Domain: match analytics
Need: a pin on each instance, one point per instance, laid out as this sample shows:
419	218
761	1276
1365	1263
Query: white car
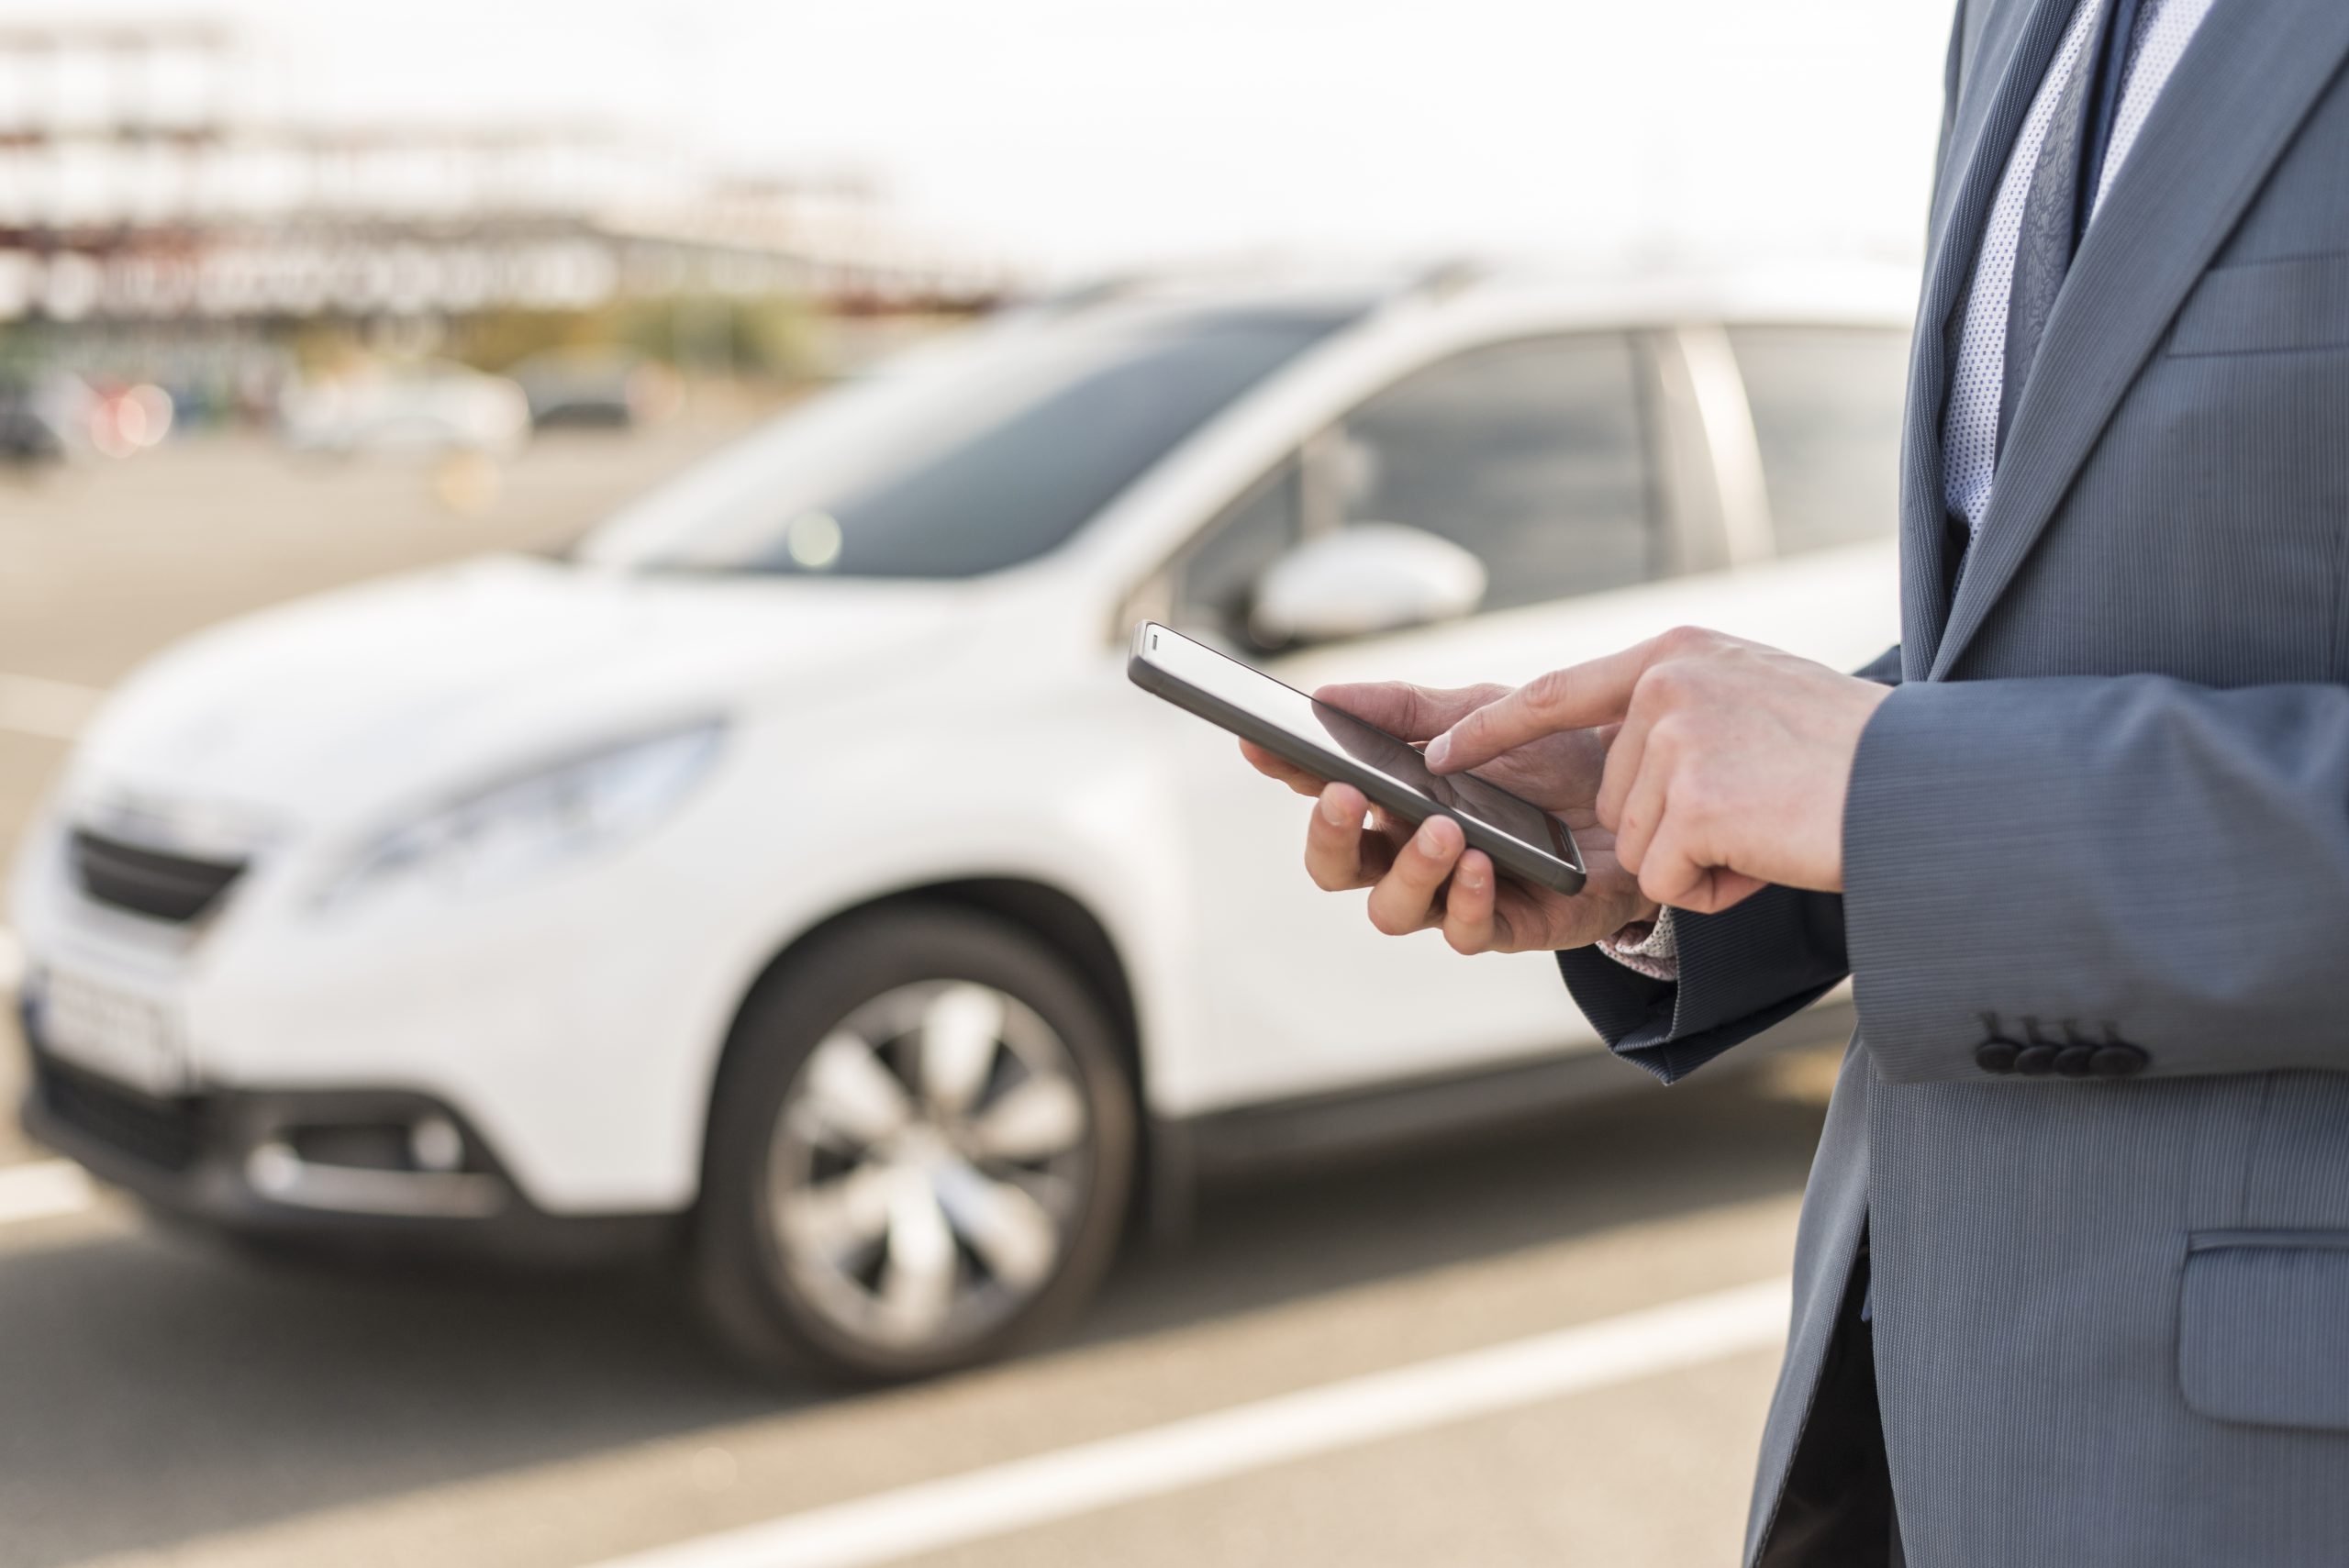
792	869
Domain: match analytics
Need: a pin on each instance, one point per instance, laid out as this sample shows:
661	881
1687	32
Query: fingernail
1438	748
1426	839
1472	879
1332	813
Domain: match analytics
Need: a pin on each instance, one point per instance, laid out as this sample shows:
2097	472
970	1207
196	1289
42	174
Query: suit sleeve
2104	863
1739	971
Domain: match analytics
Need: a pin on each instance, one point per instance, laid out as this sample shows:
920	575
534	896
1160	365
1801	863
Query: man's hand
1431	878
1729	769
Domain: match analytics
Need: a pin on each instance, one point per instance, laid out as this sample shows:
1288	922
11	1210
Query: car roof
1857	295
1853	294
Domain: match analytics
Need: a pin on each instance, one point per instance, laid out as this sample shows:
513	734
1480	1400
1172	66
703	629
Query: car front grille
149	881
159	1132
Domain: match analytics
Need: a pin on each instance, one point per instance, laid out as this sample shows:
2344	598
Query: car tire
876	1178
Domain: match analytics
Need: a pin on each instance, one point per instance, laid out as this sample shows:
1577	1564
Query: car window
1531	455
1215	579
1827	415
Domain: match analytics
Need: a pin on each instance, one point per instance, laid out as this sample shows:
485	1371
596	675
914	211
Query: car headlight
523	825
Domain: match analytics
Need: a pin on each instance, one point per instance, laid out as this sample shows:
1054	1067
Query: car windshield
965	457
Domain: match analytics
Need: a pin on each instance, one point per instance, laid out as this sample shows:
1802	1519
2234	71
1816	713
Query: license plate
120	1033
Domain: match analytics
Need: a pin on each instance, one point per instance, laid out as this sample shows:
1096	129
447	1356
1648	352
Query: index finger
1405	711
1581	696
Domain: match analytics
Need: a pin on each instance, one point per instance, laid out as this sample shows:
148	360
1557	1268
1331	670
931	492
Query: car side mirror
1363	579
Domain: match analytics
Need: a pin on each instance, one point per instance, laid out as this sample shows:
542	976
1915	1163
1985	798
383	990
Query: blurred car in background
430	409
27	439
596	388
48	419
790	870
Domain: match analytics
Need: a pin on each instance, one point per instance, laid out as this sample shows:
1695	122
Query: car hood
329	707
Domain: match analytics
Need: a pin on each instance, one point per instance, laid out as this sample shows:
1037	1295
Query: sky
1070	136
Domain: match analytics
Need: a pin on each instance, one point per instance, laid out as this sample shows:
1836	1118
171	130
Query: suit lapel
2246	82
2011	56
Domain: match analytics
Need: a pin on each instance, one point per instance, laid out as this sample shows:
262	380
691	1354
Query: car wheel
921	1144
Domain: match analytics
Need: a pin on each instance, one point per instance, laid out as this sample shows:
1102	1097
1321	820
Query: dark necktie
2063	191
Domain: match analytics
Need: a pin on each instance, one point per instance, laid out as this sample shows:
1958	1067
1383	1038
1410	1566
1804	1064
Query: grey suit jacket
2107	802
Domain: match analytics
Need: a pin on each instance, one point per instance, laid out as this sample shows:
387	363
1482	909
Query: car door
1532	454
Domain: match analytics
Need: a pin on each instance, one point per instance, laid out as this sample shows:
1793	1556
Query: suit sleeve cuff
1738	972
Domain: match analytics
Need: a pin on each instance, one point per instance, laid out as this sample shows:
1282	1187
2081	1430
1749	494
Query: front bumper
573	1026
316	1169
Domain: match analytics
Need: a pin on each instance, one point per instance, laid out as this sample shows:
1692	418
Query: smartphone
1525	841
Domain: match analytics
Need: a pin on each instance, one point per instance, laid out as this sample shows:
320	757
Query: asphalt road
163	1403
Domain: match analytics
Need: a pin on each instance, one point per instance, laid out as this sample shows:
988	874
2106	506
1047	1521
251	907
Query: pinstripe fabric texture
2111	793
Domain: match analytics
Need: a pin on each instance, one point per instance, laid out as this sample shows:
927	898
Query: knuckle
1666	684
1683	641
1384	921
1546	692
1677	752
1466	943
1417	706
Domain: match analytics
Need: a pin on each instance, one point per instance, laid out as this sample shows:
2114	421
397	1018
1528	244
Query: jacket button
2075	1061
1996	1056
2035	1061
2117	1060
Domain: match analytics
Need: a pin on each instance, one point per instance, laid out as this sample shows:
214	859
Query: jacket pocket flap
2260	306
2264	1328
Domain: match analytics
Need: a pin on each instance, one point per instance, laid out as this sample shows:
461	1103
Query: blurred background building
155	229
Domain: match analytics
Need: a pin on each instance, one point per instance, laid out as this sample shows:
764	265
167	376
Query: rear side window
1827	415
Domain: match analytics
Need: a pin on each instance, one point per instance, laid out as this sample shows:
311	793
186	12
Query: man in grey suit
2073	1276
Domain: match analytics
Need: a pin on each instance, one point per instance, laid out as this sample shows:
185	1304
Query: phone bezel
1558	868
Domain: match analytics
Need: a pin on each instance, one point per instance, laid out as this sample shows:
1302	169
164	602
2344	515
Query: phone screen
1318	724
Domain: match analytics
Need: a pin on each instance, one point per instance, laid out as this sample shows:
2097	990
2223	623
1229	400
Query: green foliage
769	338
323	347
20	352
499	340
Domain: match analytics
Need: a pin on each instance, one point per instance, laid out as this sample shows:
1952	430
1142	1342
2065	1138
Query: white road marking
980	1504
53	710
12	960
43	1189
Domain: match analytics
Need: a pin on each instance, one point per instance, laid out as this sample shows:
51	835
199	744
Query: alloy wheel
928	1164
